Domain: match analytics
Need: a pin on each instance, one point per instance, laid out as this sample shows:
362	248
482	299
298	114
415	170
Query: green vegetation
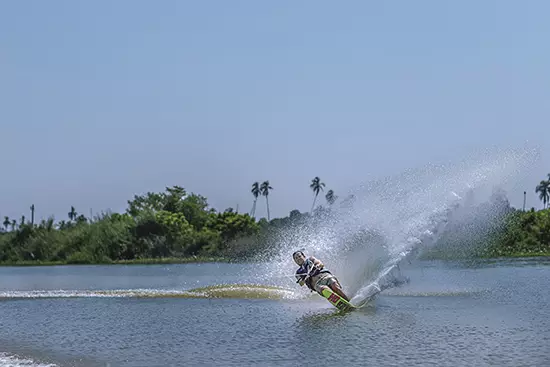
495	229
524	233
167	227
171	226
514	233
174	227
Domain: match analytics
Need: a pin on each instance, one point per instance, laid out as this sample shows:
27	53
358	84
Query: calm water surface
450	314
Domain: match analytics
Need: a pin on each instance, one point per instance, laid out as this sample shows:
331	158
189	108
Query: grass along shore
204	259
144	261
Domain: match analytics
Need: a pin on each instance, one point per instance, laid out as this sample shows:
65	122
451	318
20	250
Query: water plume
365	238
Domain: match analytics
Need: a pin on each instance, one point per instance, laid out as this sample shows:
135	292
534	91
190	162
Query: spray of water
364	238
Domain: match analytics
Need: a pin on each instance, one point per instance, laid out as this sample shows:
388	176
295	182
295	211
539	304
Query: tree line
495	229
177	224
265	188
169	224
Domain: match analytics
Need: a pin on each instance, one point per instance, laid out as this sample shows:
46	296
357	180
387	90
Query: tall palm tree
6	223
255	192
331	198
264	190
22	221
13	224
543	189
316	185
32	215
72	214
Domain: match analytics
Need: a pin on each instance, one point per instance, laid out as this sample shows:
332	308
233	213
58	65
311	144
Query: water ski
336	300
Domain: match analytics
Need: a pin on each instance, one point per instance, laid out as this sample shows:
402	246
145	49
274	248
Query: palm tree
543	189
72	214
264	190
316	185
6	223
32	215
331	198
13	224
255	192
22	221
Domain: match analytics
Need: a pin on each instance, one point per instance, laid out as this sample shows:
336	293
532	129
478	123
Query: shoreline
151	261
214	259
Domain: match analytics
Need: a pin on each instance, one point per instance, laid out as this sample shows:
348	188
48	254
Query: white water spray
364	239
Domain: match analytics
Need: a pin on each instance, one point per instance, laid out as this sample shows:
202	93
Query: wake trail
249	291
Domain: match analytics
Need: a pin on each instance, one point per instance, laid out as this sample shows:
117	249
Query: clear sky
104	99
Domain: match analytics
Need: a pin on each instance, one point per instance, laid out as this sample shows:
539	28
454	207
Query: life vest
302	271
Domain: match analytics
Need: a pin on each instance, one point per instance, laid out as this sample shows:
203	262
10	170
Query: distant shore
152	261
195	260
524	254
175	227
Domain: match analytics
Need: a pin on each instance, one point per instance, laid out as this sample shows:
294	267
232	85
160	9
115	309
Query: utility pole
524	199
32	215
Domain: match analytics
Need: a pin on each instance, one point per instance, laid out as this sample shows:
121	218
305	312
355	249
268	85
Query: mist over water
365	236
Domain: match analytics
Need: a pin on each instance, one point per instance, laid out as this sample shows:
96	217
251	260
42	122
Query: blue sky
105	99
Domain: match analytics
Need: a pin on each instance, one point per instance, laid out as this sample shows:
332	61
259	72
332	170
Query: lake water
449	314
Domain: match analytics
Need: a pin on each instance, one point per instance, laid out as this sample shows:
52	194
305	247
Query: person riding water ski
313	274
